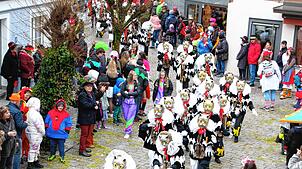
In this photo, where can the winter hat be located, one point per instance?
(140, 62)
(60, 103)
(155, 3)
(29, 47)
(244, 38)
(175, 8)
(171, 12)
(221, 34)
(114, 54)
(11, 45)
(15, 97)
(213, 20)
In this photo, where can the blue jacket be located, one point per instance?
(17, 115)
(171, 20)
(58, 124)
(202, 49)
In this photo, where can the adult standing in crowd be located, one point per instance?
(222, 53)
(87, 117)
(172, 20)
(294, 141)
(130, 92)
(27, 65)
(252, 58)
(279, 57)
(154, 19)
(288, 73)
(20, 125)
(242, 58)
(7, 128)
(163, 16)
(9, 69)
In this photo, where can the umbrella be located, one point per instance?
(102, 45)
(295, 117)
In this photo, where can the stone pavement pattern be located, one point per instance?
(256, 140)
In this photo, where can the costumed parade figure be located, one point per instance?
(182, 116)
(184, 65)
(202, 137)
(208, 89)
(224, 113)
(165, 57)
(169, 152)
(240, 100)
(119, 159)
(225, 83)
(206, 62)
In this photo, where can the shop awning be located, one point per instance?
(292, 13)
(289, 10)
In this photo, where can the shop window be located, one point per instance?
(193, 10)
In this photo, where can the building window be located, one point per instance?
(37, 37)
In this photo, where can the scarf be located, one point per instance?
(240, 96)
(226, 87)
(159, 125)
(208, 69)
(221, 111)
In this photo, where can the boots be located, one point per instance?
(284, 93)
(38, 165)
(30, 165)
(289, 93)
(104, 124)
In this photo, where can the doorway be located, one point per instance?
(266, 30)
(299, 44)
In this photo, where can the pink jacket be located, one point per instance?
(147, 65)
(155, 22)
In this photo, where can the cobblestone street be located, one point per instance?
(256, 140)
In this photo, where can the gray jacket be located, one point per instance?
(242, 56)
(295, 162)
(222, 50)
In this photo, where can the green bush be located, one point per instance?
(56, 78)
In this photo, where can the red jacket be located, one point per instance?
(253, 53)
(27, 65)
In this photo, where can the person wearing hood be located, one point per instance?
(9, 69)
(58, 125)
(222, 52)
(117, 100)
(34, 132)
(204, 45)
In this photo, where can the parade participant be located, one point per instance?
(165, 57)
(282, 137)
(162, 87)
(297, 81)
(202, 136)
(119, 159)
(288, 72)
(206, 62)
(224, 113)
(184, 65)
(242, 57)
(271, 77)
(240, 100)
(225, 83)
(182, 116)
(58, 125)
(34, 132)
(169, 152)
(130, 92)
(199, 79)
(208, 89)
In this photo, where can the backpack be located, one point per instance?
(268, 69)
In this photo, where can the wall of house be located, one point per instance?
(239, 12)
(180, 4)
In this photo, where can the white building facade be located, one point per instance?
(256, 17)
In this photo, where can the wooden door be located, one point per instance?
(299, 46)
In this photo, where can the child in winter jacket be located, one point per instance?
(34, 132)
(117, 100)
(58, 124)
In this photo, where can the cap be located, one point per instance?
(29, 47)
(253, 37)
(190, 17)
(15, 97)
(60, 103)
(11, 45)
(244, 38)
